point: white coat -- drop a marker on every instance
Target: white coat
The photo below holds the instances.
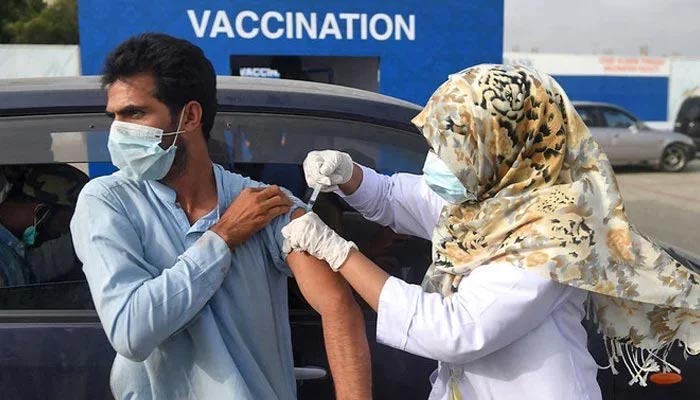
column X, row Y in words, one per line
column 506, row 334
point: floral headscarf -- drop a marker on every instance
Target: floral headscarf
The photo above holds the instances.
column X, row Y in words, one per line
column 548, row 202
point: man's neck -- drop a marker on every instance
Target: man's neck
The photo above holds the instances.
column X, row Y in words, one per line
column 195, row 188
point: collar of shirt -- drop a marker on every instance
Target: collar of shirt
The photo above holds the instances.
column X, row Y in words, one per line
column 11, row 240
column 168, row 196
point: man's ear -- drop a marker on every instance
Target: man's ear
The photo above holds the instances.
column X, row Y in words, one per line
column 298, row 213
column 192, row 120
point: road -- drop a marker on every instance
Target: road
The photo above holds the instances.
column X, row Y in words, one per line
column 664, row 206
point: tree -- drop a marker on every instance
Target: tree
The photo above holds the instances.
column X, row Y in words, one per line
column 32, row 21
column 16, row 10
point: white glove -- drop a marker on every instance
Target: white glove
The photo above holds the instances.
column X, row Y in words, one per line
column 328, row 168
column 308, row 233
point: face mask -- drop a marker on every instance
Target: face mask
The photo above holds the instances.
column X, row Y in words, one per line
column 135, row 150
column 29, row 235
column 443, row 182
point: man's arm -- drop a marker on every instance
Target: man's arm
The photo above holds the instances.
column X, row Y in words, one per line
column 137, row 308
column 403, row 202
column 343, row 323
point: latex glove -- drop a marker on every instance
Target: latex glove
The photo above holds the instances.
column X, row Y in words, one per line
column 308, row 233
column 328, row 168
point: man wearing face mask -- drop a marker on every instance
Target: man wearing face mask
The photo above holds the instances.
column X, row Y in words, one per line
column 184, row 258
column 36, row 203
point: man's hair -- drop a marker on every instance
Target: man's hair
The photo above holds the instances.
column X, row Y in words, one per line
column 181, row 71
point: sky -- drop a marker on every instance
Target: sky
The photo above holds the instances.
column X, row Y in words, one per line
column 620, row 27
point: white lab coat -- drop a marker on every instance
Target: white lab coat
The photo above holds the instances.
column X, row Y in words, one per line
column 505, row 334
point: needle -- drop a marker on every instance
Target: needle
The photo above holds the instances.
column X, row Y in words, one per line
column 314, row 195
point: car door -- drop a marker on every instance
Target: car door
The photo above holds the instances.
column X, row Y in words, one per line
column 271, row 148
column 52, row 345
column 629, row 143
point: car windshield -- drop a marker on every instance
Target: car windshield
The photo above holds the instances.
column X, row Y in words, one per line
column 690, row 109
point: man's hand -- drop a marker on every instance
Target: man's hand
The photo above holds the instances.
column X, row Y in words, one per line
column 252, row 210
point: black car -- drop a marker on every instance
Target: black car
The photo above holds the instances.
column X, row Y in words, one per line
column 52, row 345
column 688, row 119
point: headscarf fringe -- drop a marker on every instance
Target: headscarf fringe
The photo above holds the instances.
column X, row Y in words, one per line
column 640, row 362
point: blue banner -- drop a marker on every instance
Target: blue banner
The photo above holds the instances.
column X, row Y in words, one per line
column 418, row 43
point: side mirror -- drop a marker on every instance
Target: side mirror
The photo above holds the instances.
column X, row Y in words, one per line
column 634, row 128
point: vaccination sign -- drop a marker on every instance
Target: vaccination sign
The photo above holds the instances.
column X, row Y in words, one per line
column 413, row 47
column 249, row 24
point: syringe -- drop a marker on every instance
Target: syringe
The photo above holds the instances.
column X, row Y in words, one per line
column 312, row 200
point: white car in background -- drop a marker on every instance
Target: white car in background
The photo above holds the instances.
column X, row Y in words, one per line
column 628, row 141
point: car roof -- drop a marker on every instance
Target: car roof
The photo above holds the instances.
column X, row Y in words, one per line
column 83, row 94
column 594, row 104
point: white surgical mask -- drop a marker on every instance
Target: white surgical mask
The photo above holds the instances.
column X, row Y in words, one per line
column 135, row 150
column 443, row 182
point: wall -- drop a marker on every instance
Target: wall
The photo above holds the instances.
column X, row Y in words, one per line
column 638, row 84
column 30, row 61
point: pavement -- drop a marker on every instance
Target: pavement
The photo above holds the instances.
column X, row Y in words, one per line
column 664, row 205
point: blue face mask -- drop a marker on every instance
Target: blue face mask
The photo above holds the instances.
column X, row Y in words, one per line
column 443, row 182
column 135, row 150
column 29, row 235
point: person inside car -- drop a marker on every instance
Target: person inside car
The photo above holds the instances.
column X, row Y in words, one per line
column 36, row 203
column 184, row 259
column 527, row 225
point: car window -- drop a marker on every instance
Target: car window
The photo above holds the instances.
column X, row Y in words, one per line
column 266, row 147
column 617, row 119
column 254, row 138
column 54, row 138
column 271, row 148
column 36, row 249
column 588, row 116
column 690, row 110
column 44, row 162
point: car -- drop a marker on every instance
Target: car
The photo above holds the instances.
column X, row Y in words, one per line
column 51, row 342
column 628, row 141
column 52, row 345
column 688, row 119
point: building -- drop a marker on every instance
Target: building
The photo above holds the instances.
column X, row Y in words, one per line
column 403, row 48
column 652, row 88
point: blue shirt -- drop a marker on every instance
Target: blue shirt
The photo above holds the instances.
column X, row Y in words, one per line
column 188, row 317
column 13, row 269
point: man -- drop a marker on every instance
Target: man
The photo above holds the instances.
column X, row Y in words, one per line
column 36, row 203
column 184, row 259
